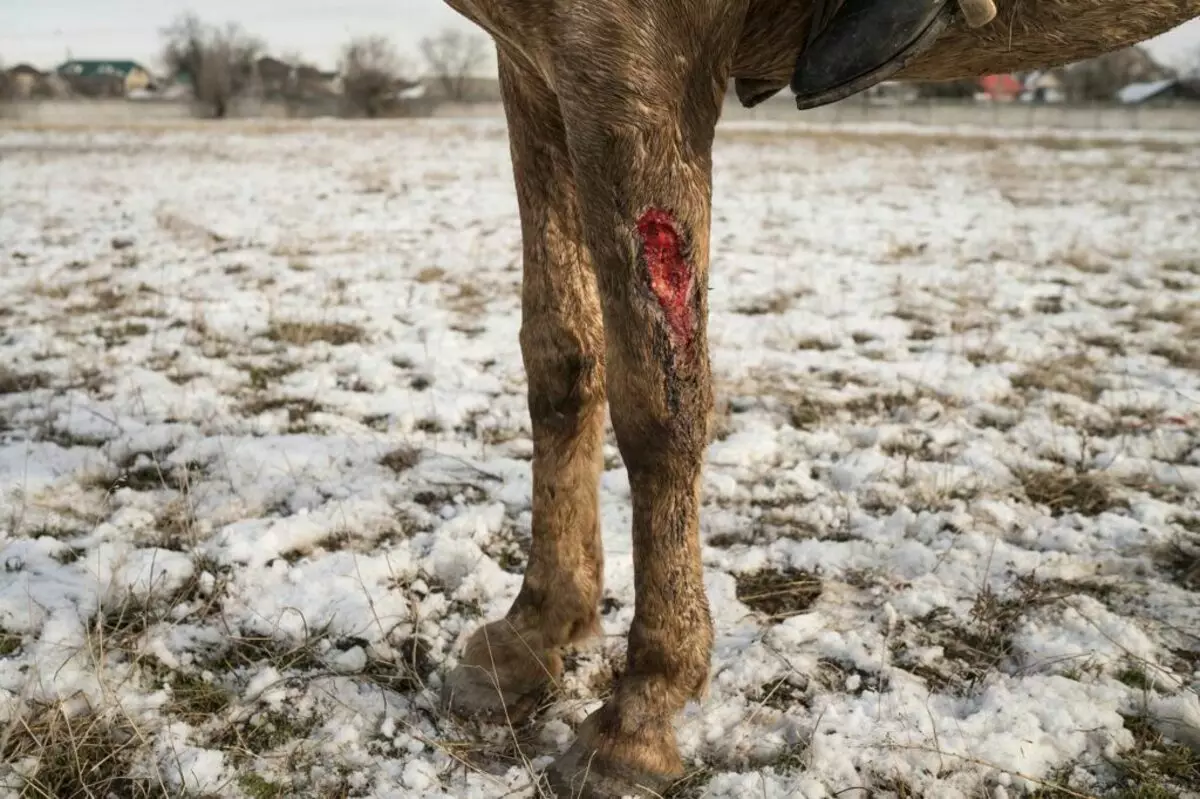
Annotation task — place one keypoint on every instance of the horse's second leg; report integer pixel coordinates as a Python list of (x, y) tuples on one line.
[(508, 664), (640, 124)]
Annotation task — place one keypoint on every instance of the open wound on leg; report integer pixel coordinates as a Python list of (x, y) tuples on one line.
[(669, 272)]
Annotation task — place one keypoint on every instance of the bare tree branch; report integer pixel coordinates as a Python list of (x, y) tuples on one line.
[(453, 57), (1099, 79), (220, 62), (372, 73), (7, 88)]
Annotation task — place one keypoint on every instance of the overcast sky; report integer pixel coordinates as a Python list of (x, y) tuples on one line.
[(44, 31)]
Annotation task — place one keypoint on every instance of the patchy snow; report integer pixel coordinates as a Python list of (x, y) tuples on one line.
[(264, 458)]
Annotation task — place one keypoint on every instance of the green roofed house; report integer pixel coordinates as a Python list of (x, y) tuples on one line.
[(105, 76)]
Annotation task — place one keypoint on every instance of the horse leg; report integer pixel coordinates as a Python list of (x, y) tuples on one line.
[(640, 122), (509, 664)]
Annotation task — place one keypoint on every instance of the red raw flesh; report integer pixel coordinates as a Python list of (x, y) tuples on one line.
[(671, 275)]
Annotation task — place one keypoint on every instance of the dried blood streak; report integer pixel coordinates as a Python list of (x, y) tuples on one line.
[(670, 273)]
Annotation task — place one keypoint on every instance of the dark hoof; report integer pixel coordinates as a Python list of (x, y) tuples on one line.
[(581, 773), (865, 43), (472, 692)]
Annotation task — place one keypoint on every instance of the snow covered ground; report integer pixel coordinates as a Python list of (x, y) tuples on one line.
[(264, 462)]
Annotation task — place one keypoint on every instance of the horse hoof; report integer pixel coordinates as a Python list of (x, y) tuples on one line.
[(581, 773), (473, 692)]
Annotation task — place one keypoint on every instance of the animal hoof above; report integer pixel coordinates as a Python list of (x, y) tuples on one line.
[(473, 692), (865, 43)]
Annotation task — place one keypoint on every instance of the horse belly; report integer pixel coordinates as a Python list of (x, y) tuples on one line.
[(1037, 34)]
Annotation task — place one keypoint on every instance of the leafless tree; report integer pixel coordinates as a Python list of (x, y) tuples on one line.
[(453, 56), (7, 89), (1099, 79), (372, 73), (219, 61)]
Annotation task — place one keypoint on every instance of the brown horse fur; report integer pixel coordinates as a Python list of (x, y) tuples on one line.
[(611, 108)]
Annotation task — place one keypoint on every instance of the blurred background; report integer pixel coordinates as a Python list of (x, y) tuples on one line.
[(128, 61)]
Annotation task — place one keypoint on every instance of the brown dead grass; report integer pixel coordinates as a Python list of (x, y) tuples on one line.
[(808, 412), (818, 344), (13, 382), (401, 459), (1069, 491), (1180, 561), (302, 334), (978, 649), (1191, 267), (1156, 767), (298, 409), (1183, 354), (468, 300), (778, 593), (769, 306), (79, 754), (1072, 374), (1105, 341)]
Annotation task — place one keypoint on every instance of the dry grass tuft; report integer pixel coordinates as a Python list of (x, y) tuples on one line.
[(469, 300), (430, 274), (1068, 491), (1183, 354), (904, 250), (298, 409), (1172, 313), (78, 755), (1086, 261), (1190, 267), (1113, 345), (778, 593), (401, 459), (10, 643), (1072, 374), (267, 376), (978, 649), (1156, 767), (818, 344), (768, 306), (302, 334), (807, 412), (12, 382), (1180, 560)]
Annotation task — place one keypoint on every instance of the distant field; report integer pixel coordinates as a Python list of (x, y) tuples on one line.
[(264, 462)]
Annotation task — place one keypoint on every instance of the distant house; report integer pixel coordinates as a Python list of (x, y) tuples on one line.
[(1003, 88), (274, 76), (25, 80), (101, 77), (1100, 79), (318, 79), (278, 78), (1043, 86), (1165, 91)]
